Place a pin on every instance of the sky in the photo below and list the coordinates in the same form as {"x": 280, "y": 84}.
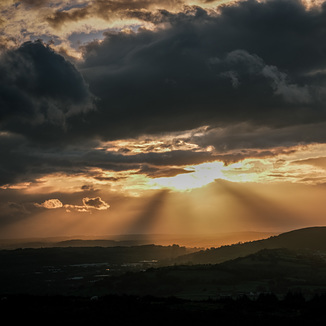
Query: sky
{"x": 161, "y": 117}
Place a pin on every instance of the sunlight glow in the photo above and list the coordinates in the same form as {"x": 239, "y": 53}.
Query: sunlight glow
{"x": 202, "y": 175}
{"x": 306, "y": 164}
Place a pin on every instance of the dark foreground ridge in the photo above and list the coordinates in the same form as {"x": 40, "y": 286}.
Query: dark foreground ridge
{"x": 267, "y": 309}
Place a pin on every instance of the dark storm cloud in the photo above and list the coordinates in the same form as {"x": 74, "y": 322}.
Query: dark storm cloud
{"x": 244, "y": 136}
{"x": 256, "y": 70}
{"x": 21, "y": 161}
{"x": 256, "y": 62}
{"x": 241, "y": 65}
{"x": 39, "y": 91}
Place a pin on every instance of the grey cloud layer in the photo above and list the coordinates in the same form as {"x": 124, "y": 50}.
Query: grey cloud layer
{"x": 258, "y": 65}
{"x": 23, "y": 163}
{"x": 256, "y": 62}
{"x": 261, "y": 63}
{"x": 39, "y": 90}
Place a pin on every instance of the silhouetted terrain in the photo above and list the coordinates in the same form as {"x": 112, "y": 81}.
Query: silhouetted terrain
{"x": 308, "y": 238}
{"x": 270, "y": 270}
{"x": 267, "y": 309}
{"x": 65, "y": 270}
{"x": 185, "y": 240}
{"x": 280, "y": 278}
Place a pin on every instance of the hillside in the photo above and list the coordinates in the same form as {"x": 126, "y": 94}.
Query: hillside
{"x": 269, "y": 270}
{"x": 291, "y": 260}
{"x": 313, "y": 238}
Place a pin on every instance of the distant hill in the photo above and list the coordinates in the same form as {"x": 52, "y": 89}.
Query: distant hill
{"x": 313, "y": 238}
{"x": 50, "y": 243}
{"x": 96, "y": 243}
{"x": 200, "y": 241}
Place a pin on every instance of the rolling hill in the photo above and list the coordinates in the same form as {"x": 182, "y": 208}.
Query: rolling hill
{"x": 269, "y": 270}
{"x": 289, "y": 260}
{"x": 313, "y": 238}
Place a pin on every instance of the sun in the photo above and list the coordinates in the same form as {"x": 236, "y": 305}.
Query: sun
{"x": 247, "y": 170}
{"x": 200, "y": 175}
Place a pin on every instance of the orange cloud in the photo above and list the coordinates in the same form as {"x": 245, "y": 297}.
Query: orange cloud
{"x": 88, "y": 204}
{"x": 95, "y": 203}
{"x": 50, "y": 204}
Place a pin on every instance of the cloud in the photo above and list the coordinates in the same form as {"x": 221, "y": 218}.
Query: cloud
{"x": 246, "y": 136}
{"x": 95, "y": 203}
{"x": 319, "y": 162}
{"x": 87, "y": 188}
{"x": 88, "y": 203}
{"x": 235, "y": 72}
{"x": 201, "y": 69}
{"x": 22, "y": 162}
{"x": 50, "y": 204}
{"x": 181, "y": 85}
{"x": 39, "y": 92}
{"x": 108, "y": 10}
{"x": 208, "y": 69}
{"x": 155, "y": 172}
{"x": 279, "y": 82}
{"x": 35, "y": 3}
